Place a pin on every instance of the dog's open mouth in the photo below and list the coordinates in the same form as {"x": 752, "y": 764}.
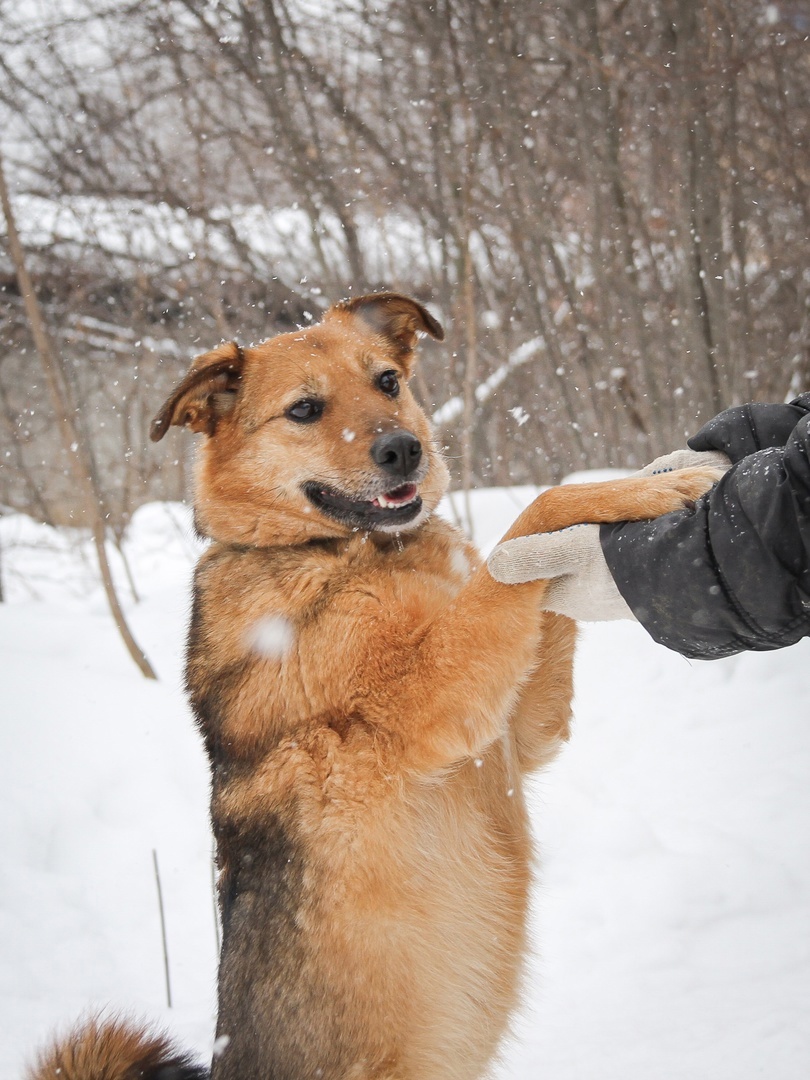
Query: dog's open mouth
{"x": 396, "y": 507}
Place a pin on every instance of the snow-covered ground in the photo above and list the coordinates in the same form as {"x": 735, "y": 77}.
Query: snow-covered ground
{"x": 672, "y": 909}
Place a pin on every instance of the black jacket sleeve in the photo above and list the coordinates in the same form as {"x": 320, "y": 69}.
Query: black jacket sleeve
{"x": 734, "y": 574}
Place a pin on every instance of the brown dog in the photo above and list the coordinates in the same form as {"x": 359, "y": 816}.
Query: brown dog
{"x": 371, "y": 700}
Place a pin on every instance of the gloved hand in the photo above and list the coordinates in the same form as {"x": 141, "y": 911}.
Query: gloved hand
{"x": 685, "y": 459}
{"x": 582, "y": 587}
{"x": 744, "y": 429}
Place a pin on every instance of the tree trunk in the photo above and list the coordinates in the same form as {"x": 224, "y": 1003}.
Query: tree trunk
{"x": 75, "y": 445}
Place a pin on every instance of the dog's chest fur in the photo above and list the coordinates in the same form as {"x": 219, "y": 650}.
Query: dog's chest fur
{"x": 325, "y": 846}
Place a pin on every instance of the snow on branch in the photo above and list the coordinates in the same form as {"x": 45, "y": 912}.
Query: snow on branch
{"x": 454, "y": 406}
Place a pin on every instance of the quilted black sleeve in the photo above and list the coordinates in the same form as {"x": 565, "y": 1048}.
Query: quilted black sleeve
{"x": 734, "y": 574}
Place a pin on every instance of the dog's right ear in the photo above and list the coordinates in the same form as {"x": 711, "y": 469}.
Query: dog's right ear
{"x": 206, "y": 394}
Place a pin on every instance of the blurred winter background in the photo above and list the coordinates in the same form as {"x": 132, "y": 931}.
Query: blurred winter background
{"x": 607, "y": 205}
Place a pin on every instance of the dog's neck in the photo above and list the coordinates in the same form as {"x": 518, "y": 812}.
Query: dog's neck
{"x": 379, "y": 542}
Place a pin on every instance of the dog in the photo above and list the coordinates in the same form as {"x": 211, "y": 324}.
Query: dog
{"x": 371, "y": 700}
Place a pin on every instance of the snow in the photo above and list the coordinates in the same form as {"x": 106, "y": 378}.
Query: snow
{"x": 453, "y": 408}
{"x": 160, "y": 235}
{"x": 672, "y": 906}
{"x": 272, "y": 636}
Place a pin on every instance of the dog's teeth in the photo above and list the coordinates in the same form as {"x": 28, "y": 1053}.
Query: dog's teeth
{"x": 402, "y": 496}
{"x": 385, "y": 502}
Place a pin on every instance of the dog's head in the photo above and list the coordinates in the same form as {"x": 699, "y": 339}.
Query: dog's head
{"x": 315, "y": 433}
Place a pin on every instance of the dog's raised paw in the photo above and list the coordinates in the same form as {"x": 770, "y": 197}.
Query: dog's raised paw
{"x": 680, "y": 489}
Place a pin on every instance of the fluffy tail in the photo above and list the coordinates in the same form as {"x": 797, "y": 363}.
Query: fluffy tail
{"x": 114, "y": 1050}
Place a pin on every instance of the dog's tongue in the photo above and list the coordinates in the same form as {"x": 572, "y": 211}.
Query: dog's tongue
{"x": 398, "y": 496}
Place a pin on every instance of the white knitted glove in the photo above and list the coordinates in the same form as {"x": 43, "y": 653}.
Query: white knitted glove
{"x": 685, "y": 459}
{"x": 582, "y": 587}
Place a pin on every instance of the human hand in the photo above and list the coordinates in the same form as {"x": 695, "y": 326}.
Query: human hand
{"x": 745, "y": 429}
{"x": 685, "y": 459}
{"x": 581, "y": 585}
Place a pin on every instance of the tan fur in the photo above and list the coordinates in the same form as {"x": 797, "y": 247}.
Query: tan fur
{"x": 367, "y": 774}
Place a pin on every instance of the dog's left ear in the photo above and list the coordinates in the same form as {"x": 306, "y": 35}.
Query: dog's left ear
{"x": 396, "y": 317}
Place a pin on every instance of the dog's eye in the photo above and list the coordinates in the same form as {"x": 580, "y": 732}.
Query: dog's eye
{"x": 305, "y": 411}
{"x": 388, "y": 382}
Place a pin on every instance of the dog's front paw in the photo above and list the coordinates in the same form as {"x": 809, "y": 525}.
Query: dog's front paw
{"x": 680, "y": 490}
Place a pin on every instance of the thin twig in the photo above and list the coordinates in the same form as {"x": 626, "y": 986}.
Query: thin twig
{"x": 216, "y": 905}
{"x": 163, "y": 929}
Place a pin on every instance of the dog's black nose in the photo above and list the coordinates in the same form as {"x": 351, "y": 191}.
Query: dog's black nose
{"x": 399, "y": 453}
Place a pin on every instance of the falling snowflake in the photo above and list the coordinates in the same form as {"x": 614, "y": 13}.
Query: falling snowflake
{"x": 519, "y": 414}
{"x": 271, "y": 636}
{"x": 221, "y": 1044}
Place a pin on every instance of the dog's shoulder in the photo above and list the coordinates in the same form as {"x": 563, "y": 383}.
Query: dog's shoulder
{"x": 235, "y": 579}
